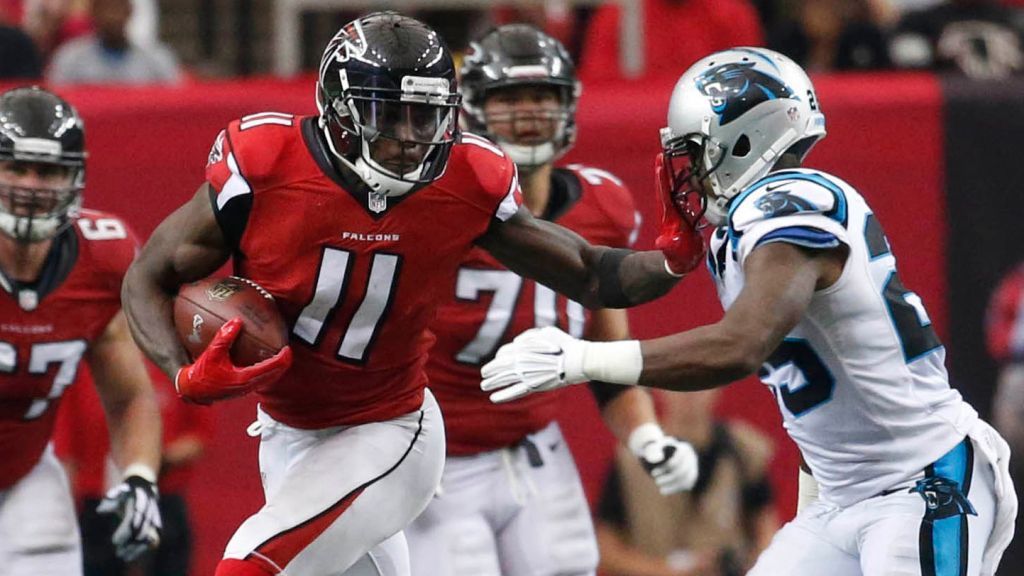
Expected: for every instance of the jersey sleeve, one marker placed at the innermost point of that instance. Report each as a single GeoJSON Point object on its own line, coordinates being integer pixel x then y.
{"type": "Point", "coordinates": [803, 209]}
{"type": "Point", "coordinates": [242, 158]}
{"type": "Point", "coordinates": [230, 191]}
{"type": "Point", "coordinates": [496, 174]}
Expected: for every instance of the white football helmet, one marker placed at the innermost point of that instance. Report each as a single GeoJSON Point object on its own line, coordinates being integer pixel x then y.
{"type": "Point", "coordinates": [731, 117]}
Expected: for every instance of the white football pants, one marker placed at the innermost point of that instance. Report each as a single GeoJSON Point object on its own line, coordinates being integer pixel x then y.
{"type": "Point", "coordinates": [938, 524]}
{"type": "Point", "coordinates": [519, 511]}
{"type": "Point", "coordinates": [337, 498]}
{"type": "Point", "coordinates": [38, 529]}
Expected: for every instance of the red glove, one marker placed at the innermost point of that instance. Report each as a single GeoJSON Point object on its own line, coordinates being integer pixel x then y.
{"type": "Point", "coordinates": [213, 377]}
{"type": "Point", "coordinates": [680, 241]}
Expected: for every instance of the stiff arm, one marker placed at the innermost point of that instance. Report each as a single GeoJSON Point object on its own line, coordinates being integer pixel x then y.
{"type": "Point", "coordinates": [594, 276]}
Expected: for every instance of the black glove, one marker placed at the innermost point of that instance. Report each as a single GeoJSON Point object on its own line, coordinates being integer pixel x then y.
{"type": "Point", "coordinates": [135, 501]}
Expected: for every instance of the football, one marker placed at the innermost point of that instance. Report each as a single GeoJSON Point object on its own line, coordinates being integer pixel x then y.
{"type": "Point", "coordinates": [202, 307]}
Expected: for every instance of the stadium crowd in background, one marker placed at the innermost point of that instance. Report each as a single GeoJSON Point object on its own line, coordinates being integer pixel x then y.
{"type": "Point", "coordinates": [978, 38]}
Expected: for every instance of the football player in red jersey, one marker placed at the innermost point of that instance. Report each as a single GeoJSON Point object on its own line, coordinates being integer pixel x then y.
{"type": "Point", "coordinates": [357, 220]}
{"type": "Point", "coordinates": [511, 502]}
{"type": "Point", "coordinates": [61, 269]}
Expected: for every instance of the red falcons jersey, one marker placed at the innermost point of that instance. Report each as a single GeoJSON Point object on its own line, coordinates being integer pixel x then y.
{"type": "Point", "coordinates": [491, 305]}
{"type": "Point", "coordinates": [1005, 321]}
{"type": "Point", "coordinates": [46, 328]}
{"type": "Point", "coordinates": [357, 281]}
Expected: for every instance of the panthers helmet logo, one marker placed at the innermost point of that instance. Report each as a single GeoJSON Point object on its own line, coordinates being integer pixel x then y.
{"type": "Point", "coordinates": [736, 87]}
{"type": "Point", "coordinates": [781, 203]}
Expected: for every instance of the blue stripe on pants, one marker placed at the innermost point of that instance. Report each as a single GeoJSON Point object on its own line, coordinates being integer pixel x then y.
{"type": "Point", "coordinates": [943, 536]}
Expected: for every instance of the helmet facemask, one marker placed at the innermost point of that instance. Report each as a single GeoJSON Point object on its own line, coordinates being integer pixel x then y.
{"type": "Point", "coordinates": [689, 162]}
{"type": "Point", "coordinates": [38, 213]}
{"type": "Point", "coordinates": [394, 140]}
{"type": "Point", "coordinates": [531, 137]}
{"type": "Point", "coordinates": [500, 65]}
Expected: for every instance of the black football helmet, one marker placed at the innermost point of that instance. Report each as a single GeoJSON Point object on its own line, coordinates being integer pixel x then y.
{"type": "Point", "coordinates": [521, 55]}
{"type": "Point", "coordinates": [388, 101]}
{"type": "Point", "coordinates": [39, 127]}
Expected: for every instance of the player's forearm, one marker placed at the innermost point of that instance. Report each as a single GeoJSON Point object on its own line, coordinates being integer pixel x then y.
{"type": "Point", "coordinates": [594, 276]}
{"type": "Point", "coordinates": [149, 309]}
{"type": "Point", "coordinates": [123, 385]}
{"type": "Point", "coordinates": [135, 430]}
{"type": "Point", "coordinates": [627, 411]}
{"type": "Point", "coordinates": [639, 277]}
{"type": "Point", "coordinates": [706, 357]}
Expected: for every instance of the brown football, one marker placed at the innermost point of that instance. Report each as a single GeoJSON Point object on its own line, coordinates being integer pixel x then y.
{"type": "Point", "coordinates": [202, 307]}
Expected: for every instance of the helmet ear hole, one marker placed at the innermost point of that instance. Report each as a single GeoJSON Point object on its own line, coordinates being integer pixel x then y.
{"type": "Point", "coordinates": [801, 148]}
{"type": "Point", "coordinates": [742, 146]}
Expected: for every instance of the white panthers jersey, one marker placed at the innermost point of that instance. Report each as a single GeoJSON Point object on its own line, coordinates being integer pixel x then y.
{"type": "Point", "coordinates": [860, 381]}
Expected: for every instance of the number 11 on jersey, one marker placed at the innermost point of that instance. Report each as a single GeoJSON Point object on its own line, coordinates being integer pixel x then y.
{"type": "Point", "coordinates": [331, 284]}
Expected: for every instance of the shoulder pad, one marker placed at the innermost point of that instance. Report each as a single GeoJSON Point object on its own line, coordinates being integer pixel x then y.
{"type": "Point", "coordinates": [110, 245]}
{"type": "Point", "coordinates": [477, 141]}
{"type": "Point", "coordinates": [257, 141]}
{"type": "Point", "coordinates": [491, 171]}
{"type": "Point", "coordinates": [788, 193]}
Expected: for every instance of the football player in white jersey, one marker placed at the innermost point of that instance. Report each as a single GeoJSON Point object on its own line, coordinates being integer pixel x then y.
{"type": "Point", "coordinates": [910, 480]}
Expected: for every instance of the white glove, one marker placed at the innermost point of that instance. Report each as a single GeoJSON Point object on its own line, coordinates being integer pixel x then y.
{"type": "Point", "coordinates": [670, 461]}
{"type": "Point", "coordinates": [997, 452]}
{"type": "Point", "coordinates": [135, 501]}
{"type": "Point", "coordinates": [537, 360]}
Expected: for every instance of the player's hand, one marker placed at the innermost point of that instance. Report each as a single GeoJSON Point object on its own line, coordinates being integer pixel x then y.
{"type": "Point", "coordinates": [680, 240]}
{"type": "Point", "coordinates": [670, 461]}
{"type": "Point", "coordinates": [537, 360]}
{"type": "Point", "coordinates": [135, 501]}
{"type": "Point", "coordinates": [214, 377]}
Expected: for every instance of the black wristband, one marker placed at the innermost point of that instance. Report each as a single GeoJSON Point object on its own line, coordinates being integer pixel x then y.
{"type": "Point", "coordinates": [610, 290]}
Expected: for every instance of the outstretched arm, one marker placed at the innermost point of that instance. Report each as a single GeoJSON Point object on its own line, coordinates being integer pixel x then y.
{"type": "Point", "coordinates": [595, 276]}
{"type": "Point", "coordinates": [188, 245]}
{"type": "Point", "coordinates": [780, 280]}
